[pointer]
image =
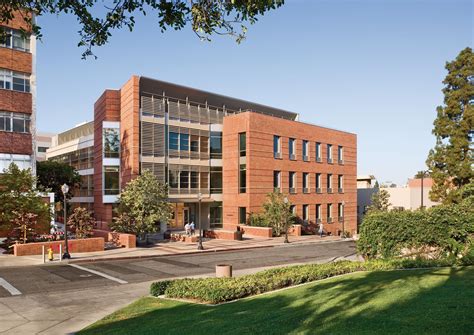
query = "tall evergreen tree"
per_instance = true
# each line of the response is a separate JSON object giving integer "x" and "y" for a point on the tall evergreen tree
{"x": 451, "y": 160}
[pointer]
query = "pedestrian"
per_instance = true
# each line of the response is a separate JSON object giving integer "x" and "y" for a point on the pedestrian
{"x": 321, "y": 229}
{"x": 192, "y": 227}
{"x": 187, "y": 228}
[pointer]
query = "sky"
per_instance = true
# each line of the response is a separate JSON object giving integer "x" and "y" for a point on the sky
{"x": 370, "y": 67}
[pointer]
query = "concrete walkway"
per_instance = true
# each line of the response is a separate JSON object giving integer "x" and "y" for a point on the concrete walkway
{"x": 68, "y": 312}
{"x": 166, "y": 249}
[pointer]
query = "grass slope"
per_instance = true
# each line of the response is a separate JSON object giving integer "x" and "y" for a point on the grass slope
{"x": 437, "y": 301}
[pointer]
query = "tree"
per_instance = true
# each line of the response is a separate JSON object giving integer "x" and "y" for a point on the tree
{"x": 97, "y": 19}
{"x": 82, "y": 221}
{"x": 52, "y": 175}
{"x": 23, "y": 226}
{"x": 143, "y": 205}
{"x": 278, "y": 213}
{"x": 379, "y": 201}
{"x": 451, "y": 160}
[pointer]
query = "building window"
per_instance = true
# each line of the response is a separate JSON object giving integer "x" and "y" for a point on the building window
{"x": 111, "y": 143}
{"x": 15, "y": 39}
{"x": 293, "y": 209}
{"x": 329, "y": 182}
{"x": 305, "y": 213}
{"x": 184, "y": 142}
{"x": 305, "y": 182}
{"x": 340, "y": 211}
{"x": 42, "y": 149}
{"x": 173, "y": 178}
{"x": 292, "y": 182}
{"x": 17, "y": 81}
{"x": 15, "y": 122}
{"x": 292, "y": 148}
{"x": 194, "y": 179}
{"x": 216, "y": 179}
{"x": 305, "y": 150}
{"x": 183, "y": 180}
{"x": 243, "y": 144}
{"x": 318, "y": 152}
{"x": 215, "y": 215}
{"x": 194, "y": 143}
{"x": 242, "y": 178}
{"x": 22, "y": 161}
{"x": 329, "y": 153}
{"x": 111, "y": 180}
{"x": 340, "y": 154}
{"x": 173, "y": 141}
{"x": 216, "y": 145}
{"x": 329, "y": 213}
{"x": 242, "y": 215}
{"x": 318, "y": 182}
{"x": 276, "y": 180}
{"x": 318, "y": 213}
{"x": 340, "y": 180}
{"x": 276, "y": 146}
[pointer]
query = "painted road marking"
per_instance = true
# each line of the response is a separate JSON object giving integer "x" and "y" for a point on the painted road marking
{"x": 9, "y": 287}
{"x": 99, "y": 273}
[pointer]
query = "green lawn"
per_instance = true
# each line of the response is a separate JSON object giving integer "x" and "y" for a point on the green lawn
{"x": 437, "y": 301}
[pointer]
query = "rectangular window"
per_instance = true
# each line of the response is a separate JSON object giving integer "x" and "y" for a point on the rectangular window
{"x": 305, "y": 213}
{"x": 111, "y": 180}
{"x": 292, "y": 148}
{"x": 276, "y": 180}
{"x": 216, "y": 179}
{"x": 318, "y": 213}
{"x": 194, "y": 143}
{"x": 305, "y": 182}
{"x": 340, "y": 154}
{"x": 318, "y": 152}
{"x": 292, "y": 182}
{"x": 318, "y": 182}
{"x": 242, "y": 215}
{"x": 340, "y": 180}
{"x": 276, "y": 146}
{"x": 340, "y": 211}
{"x": 14, "y": 122}
{"x": 15, "y": 39}
{"x": 242, "y": 178}
{"x": 173, "y": 178}
{"x": 329, "y": 213}
{"x": 243, "y": 144}
{"x": 305, "y": 150}
{"x": 111, "y": 138}
{"x": 42, "y": 149}
{"x": 173, "y": 141}
{"x": 293, "y": 209}
{"x": 184, "y": 142}
{"x": 329, "y": 153}
{"x": 215, "y": 215}
{"x": 194, "y": 179}
{"x": 216, "y": 145}
{"x": 183, "y": 180}
{"x": 5, "y": 79}
{"x": 329, "y": 182}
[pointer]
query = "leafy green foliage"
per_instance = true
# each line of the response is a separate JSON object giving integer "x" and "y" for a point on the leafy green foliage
{"x": 277, "y": 213}
{"x": 379, "y": 201}
{"x": 218, "y": 290}
{"x": 257, "y": 220}
{"x": 82, "y": 222}
{"x": 143, "y": 204}
{"x": 158, "y": 288}
{"x": 52, "y": 175}
{"x": 439, "y": 231}
{"x": 98, "y": 19}
{"x": 451, "y": 160}
{"x": 23, "y": 226}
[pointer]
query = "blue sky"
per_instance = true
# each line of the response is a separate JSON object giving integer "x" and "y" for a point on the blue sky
{"x": 370, "y": 67}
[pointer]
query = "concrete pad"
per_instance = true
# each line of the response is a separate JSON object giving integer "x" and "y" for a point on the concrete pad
{"x": 32, "y": 327}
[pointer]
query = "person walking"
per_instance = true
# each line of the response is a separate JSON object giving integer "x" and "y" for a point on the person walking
{"x": 187, "y": 228}
{"x": 192, "y": 227}
{"x": 321, "y": 229}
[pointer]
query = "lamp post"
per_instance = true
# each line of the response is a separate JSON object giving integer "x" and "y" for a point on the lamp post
{"x": 285, "y": 200}
{"x": 422, "y": 173}
{"x": 66, "y": 255}
{"x": 200, "y": 247}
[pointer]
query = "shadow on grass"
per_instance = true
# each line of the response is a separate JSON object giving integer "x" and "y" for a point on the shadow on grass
{"x": 397, "y": 302}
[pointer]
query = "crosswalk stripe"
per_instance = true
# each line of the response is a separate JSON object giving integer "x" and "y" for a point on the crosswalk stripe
{"x": 118, "y": 280}
{"x": 9, "y": 287}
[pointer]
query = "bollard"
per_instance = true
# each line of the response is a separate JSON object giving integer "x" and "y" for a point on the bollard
{"x": 43, "y": 253}
{"x": 60, "y": 252}
{"x": 223, "y": 270}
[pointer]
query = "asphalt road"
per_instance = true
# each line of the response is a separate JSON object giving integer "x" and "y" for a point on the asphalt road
{"x": 64, "y": 277}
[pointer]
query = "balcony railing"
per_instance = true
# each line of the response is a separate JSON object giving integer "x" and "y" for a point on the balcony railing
{"x": 329, "y": 190}
{"x": 340, "y": 190}
{"x": 305, "y": 190}
{"x": 329, "y": 220}
{"x": 340, "y": 162}
{"x": 306, "y": 158}
{"x": 330, "y": 160}
{"x": 277, "y": 155}
{"x": 340, "y": 219}
{"x": 292, "y": 157}
{"x": 318, "y": 190}
{"x": 318, "y": 159}
{"x": 292, "y": 190}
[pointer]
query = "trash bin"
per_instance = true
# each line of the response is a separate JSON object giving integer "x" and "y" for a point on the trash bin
{"x": 223, "y": 270}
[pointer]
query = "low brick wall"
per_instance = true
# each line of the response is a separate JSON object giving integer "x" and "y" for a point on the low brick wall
{"x": 120, "y": 239}
{"x": 295, "y": 230}
{"x": 222, "y": 234}
{"x": 80, "y": 245}
{"x": 256, "y": 231}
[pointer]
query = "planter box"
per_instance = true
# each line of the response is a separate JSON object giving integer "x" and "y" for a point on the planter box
{"x": 295, "y": 230}
{"x": 120, "y": 239}
{"x": 81, "y": 245}
{"x": 223, "y": 234}
{"x": 266, "y": 232}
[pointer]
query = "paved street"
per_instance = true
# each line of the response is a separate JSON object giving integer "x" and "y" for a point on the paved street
{"x": 60, "y": 299}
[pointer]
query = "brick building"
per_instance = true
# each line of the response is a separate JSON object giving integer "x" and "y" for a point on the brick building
{"x": 17, "y": 96}
{"x": 232, "y": 152}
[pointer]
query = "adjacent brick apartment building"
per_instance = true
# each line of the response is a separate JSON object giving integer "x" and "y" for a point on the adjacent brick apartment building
{"x": 17, "y": 96}
{"x": 232, "y": 152}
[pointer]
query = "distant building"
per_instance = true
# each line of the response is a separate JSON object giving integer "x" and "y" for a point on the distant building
{"x": 43, "y": 143}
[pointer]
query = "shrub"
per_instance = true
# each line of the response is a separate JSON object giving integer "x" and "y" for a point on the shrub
{"x": 217, "y": 290}
{"x": 82, "y": 222}
{"x": 257, "y": 220}
{"x": 440, "y": 231}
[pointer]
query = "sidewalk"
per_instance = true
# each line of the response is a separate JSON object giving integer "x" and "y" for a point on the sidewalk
{"x": 166, "y": 249}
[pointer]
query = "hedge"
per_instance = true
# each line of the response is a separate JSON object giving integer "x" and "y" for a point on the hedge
{"x": 443, "y": 230}
{"x": 218, "y": 290}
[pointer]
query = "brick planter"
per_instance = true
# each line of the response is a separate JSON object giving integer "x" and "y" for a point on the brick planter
{"x": 295, "y": 230}
{"x": 266, "y": 232}
{"x": 119, "y": 239}
{"x": 80, "y": 245}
